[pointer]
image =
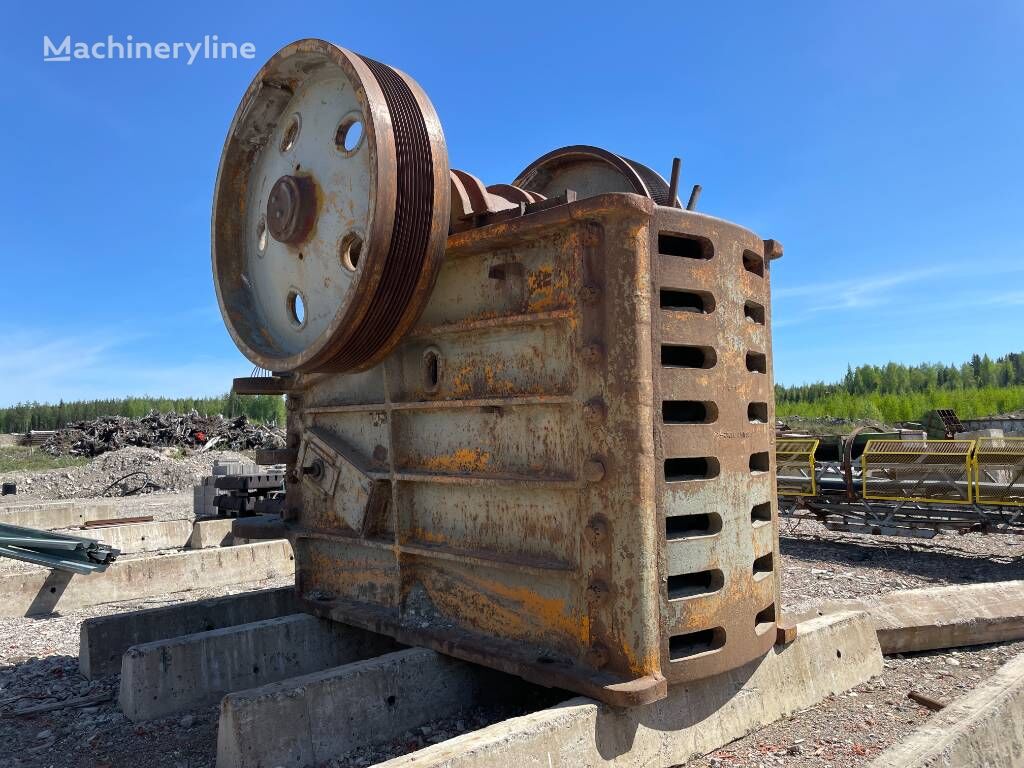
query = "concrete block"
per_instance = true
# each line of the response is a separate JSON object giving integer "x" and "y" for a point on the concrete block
{"x": 169, "y": 676}
{"x": 829, "y": 655}
{"x": 40, "y": 591}
{"x": 982, "y": 728}
{"x": 212, "y": 533}
{"x": 104, "y": 639}
{"x": 142, "y": 537}
{"x": 330, "y": 713}
{"x": 941, "y": 617}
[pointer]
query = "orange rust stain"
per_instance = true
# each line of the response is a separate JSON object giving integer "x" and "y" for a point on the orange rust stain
{"x": 641, "y": 665}
{"x": 548, "y": 289}
{"x": 424, "y": 534}
{"x": 462, "y": 460}
{"x": 550, "y": 611}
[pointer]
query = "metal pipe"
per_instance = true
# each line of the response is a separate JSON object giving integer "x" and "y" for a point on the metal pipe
{"x": 673, "y": 184}
{"x": 694, "y": 197}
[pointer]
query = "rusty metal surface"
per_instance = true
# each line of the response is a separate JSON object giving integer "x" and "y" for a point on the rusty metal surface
{"x": 714, "y": 469}
{"x": 496, "y": 487}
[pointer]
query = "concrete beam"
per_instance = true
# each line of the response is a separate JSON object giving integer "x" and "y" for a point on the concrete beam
{"x": 829, "y": 655}
{"x": 941, "y": 617}
{"x": 169, "y": 676}
{"x": 104, "y": 639}
{"x": 982, "y": 728}
{"x": 332, "y": 712}
{"x": 141, "y": 537}
{"x": 213, "y": 533}
{"x": 70, "y": 513}
{"x": 48, "y": 515}
{"x": 40, "y": 591}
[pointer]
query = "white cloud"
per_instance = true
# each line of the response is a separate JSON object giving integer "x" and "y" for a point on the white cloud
{"x": 51, "y": 367}
{"x": 854, "y": 293}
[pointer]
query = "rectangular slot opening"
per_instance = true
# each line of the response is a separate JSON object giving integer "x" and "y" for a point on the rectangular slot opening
{"x": 753, "y": 263}
{"x": 763, "y": 565}
{"x": 761, "y": 513}
{"x": 759, "y": 462}
{"x": 685, "y": 247}
{"x": 764, "y": 618}
{"x": 754, "y": 312}
{"x": 688, "y": 412}
{"x": 686, "y": 526}
{"x": 693, "y": 584}
{"x": 687, "y": 301}
{"x": 757, "y": 413}
{"x": 687, "y": 469}
{"x": 687, "y": 357}
{"x": 757, "y": 362}
{"x": 683, "y": 646}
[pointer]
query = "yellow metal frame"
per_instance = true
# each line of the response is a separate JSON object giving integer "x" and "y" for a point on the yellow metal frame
{"x": 963, "y": 450}
{"x": 1007, "y": 446}
{"x": 808, "y": 447}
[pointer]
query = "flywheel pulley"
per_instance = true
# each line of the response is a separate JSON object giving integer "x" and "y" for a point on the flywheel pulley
{"x": 331, "y": 211}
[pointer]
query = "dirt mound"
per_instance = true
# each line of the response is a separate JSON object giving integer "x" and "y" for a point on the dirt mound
{"x": 129, "y": 470}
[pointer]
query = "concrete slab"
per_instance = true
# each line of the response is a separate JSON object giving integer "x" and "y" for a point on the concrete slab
{"x": 104, "y": 639}
{"x": 982, "y": 728}
{"x": 829, "y": 655}
{"x": 141, "y": 537}
{"x": 39, "y": 591}
{"x": 332, "y": 712}
{"x": 169, "y": 676}
{"x": 941, "y": 617}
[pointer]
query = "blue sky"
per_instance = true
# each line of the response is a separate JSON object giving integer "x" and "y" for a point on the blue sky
{"x": 881, "y": 143}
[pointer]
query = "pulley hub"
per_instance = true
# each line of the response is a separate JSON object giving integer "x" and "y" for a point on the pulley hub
{"x": 291, "y": 208}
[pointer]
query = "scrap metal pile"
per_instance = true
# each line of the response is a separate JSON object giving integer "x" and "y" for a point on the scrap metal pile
{"x": 529, "y": 424}
{"x": 162, "y": 430}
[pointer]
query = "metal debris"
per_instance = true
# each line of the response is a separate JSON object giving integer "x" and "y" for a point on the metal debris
{"x": 60, "y": 551}
{"x": 162, "y": 430}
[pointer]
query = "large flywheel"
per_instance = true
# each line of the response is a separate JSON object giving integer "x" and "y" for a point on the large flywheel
{"x": 331, "y": 210}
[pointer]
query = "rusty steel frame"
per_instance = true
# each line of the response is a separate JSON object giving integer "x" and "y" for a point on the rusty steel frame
{"x": 509, "y": 487}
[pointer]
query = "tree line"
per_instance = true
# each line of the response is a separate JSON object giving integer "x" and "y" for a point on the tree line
{"x": 897, "y": 392}
{"x": 27, "y": 416}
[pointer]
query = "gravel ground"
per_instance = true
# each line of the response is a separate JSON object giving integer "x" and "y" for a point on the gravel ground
{"x": 38, "y": 665}
{"x": 853, "y": 728}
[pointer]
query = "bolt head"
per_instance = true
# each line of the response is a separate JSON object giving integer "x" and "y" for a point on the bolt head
{"x": 592, "y": 354}
{"x": 590, "y": 293}
{"x": 593, "y": 471}
{"x": 597, "y": 529}
{"x": 594, "y": 411}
